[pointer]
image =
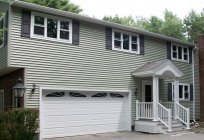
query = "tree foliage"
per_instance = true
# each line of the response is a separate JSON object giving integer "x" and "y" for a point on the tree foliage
{"x": 194, "y": 24}
{"x": 170, "y": 25}
{"x": 64, "y": 5}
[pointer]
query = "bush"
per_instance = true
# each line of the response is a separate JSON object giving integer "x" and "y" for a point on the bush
{"x": 19, "y": 124}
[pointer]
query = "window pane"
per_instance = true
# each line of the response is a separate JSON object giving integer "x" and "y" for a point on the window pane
{"x": 174, "y": 55}
{"x": 64, "y": 25}
{"x": 64, "y": 35}
{"x": 186, "y": 95}
{"x": 185, "y": 50}
{"x": 134, "y": 47}
{"x": 186, "y": 88}
{"x": 39, "y": 20}
{"x": 125, "y": 42}
{"x": 51, "y": 28}
{"x": 179, "y": 53}
{"x": 39, "y": 30}
{"x": 180, "y": 91}
{"x": 117, "y": 44}
{"x": 1, "y": 31}
{"x": 174, "y": 48}
{"x": 185, "y": 57}
{"x": 134, "y": 39}
{"x": 117, "y": 35}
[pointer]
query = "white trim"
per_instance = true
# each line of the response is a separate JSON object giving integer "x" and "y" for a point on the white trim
{"x": 80, "y": 89}
{"x": 45, "y": 16}
{"x": 2, "y": 92}
{"x": 146, "y": 82}
{"x": 182, "y": 53}
{"x": 130, "y": 41}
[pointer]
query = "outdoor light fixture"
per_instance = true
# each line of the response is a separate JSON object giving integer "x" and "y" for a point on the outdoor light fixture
{"x": 19, "y": 88}
{"x": 136, "y": 91}
{"x": 34, "y": 87}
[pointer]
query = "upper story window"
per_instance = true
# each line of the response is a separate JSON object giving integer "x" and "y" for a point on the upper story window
{"x": 179, "y": 53}
{"x": 184, "y": 91}
{"x": 126, "y": 42}
{"x": 51, "y": 28}
{"x": 2, "y": 28}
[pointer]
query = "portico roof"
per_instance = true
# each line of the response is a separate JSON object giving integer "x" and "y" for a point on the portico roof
{"x": 162, "y": 68}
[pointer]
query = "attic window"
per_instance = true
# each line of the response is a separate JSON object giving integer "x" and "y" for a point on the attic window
{"x": 55, "y": 94}
{"x": 51, "y": 28}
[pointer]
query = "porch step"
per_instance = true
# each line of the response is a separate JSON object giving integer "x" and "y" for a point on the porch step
{"x": 158, "y": 127}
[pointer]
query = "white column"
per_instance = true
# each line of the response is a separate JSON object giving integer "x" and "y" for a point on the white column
{"x": 176, "y": 96}
{"x": 155, "y": 98}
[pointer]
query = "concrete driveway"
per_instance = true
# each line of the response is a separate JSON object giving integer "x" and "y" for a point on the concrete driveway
{"x": 136, "y": 136}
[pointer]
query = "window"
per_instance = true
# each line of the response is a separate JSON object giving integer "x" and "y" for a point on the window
{"x": 126, "y": 42}
{"x": 1, "y": 100}
{"x": 179, "y": 53}
{"x": 51, "y": 28}
{"x": 55, "y": 94}
{"x": 74, "y": 94}
{"x": 184, "y": 91}
{"x": 116, "y": 95}
{"x": 1, "y": 31}
{"x": 99, "y": 95}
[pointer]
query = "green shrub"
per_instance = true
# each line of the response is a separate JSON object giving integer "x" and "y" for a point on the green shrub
{"x": 19, "y": 124}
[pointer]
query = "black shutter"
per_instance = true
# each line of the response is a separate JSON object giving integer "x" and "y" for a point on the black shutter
{"x": 169, "y": 91}
{"x": 75, "y": 32}
{"x": 25, "y": 23}
{"x": 190, "y": 55}
{"x": 141, "y": 44}
{"x": 108, "y": 38}
{"x": 6, "y": 28}
{"x": 191, "y": 92}
{"x": 168, "y": 45}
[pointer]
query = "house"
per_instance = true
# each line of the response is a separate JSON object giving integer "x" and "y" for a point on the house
{"x": 90, "y": 76}
{"x": 200, "y": 45}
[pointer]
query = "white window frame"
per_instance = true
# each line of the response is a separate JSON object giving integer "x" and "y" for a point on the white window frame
{"x": 183, "y": 92}
{"x": 130, "y": 41}
{"x": 177, "y": 59}
{"x": 58, "y": 39}
{"x": 2, "y": 18}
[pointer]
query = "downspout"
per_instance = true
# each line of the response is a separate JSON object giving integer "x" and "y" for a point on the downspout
{"x": 193, "y": 70}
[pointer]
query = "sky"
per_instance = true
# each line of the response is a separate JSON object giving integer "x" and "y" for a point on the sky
{"x": 144, "y": 8}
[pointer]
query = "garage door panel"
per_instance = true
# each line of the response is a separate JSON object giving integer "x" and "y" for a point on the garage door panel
{"x": 76, "y": 116}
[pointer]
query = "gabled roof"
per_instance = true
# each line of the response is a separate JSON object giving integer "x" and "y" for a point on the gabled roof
{"x": 57, "y": 12}
{"x": 163, "y": 68}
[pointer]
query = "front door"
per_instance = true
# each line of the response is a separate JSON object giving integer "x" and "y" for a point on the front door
{"x": 147, "y": 91}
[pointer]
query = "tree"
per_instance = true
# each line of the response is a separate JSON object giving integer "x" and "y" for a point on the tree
{"x": 170, "y": 26}
{"x": 64, "y": 5}
{"x": 194, "y": 24}
{"x": 126, "y": 20}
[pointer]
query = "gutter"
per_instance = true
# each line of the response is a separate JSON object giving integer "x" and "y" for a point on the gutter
{"x": 193, "y": 70}
{"x": 34, "y": 7}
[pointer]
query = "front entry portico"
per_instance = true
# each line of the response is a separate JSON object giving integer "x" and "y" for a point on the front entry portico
{"x": 151, "y": 107}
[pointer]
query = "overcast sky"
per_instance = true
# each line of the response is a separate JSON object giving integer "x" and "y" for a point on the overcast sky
{"x": 144, "y": 8}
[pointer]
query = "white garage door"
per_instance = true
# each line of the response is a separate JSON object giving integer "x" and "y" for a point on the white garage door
{"x": 68, "y": 113}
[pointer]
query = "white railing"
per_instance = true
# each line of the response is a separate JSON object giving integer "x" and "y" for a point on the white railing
{"x": 183, "y": 114}
{"x": 169, "y": 105}
{"x": 164, "y": 116}
{"x": 144, "y": 110}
